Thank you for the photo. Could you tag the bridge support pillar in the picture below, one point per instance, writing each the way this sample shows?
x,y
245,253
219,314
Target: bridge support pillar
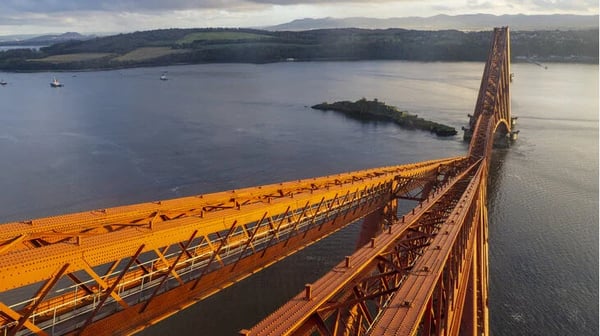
x,y
375,222
371,226
468,134
502,140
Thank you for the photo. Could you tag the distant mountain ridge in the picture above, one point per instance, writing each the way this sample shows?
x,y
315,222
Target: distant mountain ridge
x,y
45,39
60,38
467,22
15,38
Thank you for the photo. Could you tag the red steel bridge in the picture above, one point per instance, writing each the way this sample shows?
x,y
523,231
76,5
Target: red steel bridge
x,y
119,270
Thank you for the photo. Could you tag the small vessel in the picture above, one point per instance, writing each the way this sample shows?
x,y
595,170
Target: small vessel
x,y
163,76
55,83
3,82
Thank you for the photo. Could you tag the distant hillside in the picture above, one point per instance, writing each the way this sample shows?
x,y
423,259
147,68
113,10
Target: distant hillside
x,y
44,39
189,46
15,38
469,22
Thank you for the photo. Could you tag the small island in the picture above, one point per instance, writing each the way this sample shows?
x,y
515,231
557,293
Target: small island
x,y
375,110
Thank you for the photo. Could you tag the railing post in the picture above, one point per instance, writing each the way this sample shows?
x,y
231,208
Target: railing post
x,y
308,292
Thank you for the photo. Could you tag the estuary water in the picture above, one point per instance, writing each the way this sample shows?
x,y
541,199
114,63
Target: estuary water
x,y
120,137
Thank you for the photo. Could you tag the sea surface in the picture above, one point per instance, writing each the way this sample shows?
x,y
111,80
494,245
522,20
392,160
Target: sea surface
x,y
119,137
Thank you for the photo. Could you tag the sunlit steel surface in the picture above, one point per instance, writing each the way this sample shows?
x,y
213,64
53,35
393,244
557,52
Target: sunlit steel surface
x,y
427,272
118,270
145,261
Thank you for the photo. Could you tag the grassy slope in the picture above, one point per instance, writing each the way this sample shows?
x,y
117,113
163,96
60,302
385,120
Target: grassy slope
x,y
78,57
147,53
222,35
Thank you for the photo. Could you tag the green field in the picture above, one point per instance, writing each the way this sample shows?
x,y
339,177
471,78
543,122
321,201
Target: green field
x,y
147,53
66,58
223,35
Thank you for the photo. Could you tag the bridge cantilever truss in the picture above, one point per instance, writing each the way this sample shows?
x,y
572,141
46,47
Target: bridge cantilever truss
x,y
426,274
118,270
125,267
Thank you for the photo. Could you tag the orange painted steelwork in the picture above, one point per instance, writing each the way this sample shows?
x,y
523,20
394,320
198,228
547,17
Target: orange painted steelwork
x,y
118,270
112,267
371,275
426,274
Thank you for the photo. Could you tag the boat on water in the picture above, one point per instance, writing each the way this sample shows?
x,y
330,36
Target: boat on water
x,y
163,76
56,83
3,82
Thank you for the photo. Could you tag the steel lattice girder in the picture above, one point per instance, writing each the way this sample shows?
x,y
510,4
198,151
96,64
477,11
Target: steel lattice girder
x,y
493,103
72,227
338,301
449,255
250,220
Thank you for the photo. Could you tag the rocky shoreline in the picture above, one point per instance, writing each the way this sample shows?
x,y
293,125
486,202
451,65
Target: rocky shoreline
x,y
375,110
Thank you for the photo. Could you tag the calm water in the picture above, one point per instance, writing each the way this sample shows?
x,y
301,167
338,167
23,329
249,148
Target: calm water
x,y
119,137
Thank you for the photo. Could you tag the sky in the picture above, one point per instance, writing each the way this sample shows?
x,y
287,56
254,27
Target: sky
x,y
113,16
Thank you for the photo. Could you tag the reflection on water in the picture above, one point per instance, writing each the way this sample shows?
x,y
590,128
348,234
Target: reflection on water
x,y
119,137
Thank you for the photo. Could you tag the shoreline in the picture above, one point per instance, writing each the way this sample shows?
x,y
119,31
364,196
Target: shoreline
x,y
129,66
364,109
166,47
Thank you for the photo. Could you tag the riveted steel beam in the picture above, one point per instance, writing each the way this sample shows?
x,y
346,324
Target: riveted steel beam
x,y
344,293
265,219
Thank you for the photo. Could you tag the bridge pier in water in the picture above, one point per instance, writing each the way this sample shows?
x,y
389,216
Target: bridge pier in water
x,y
119,270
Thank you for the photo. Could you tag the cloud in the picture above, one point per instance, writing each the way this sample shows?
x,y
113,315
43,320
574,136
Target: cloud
x,y
339,2
31,16
480,5
149,6
564,5
53,6
119,15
